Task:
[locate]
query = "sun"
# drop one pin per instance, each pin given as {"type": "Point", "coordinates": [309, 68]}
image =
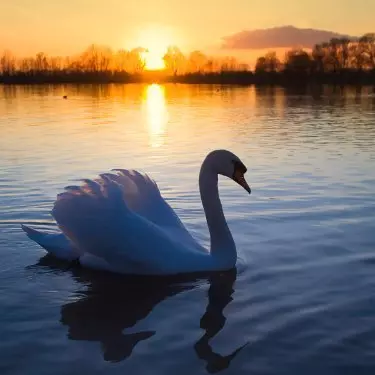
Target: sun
{"type": "Point", "coordinates": [153, 59]}
{"type": "Point", "coordinates": [155, 40]}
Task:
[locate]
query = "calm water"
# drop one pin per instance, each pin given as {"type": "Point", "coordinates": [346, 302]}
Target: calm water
{"type": "Point", "coordinates": [304, 301]}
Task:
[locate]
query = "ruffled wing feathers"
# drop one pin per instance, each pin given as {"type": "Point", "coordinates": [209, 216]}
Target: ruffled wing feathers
{"type": "Point", "coordinates": [120, 217]}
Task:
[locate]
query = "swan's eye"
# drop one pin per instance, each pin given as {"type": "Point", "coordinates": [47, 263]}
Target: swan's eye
{"type": "Point", "coordinates": [239, 167]}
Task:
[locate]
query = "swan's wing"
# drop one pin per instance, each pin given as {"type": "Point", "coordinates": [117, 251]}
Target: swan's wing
{"type": "Point", "coordinates": [143, 197]}
{"type": "Point", "coordinates": [97, 219]}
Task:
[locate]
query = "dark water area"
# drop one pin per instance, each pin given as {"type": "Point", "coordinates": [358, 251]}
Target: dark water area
{"type": "Point", "coordinates": [302, 299]}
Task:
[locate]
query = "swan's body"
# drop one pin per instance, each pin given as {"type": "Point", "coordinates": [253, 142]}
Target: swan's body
{"type": "Point", "coordinates": [121, 223]}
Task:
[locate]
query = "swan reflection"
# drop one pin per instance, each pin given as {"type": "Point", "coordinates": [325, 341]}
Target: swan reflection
{"type": "Point", "coordinates": [111, 304]}
{"type": "Point", "coordinates": [156, 113]}
{"type": "Point", "coordinates": [213, 321]}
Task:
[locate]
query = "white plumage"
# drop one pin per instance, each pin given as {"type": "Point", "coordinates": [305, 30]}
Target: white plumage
{"type": "Point", "coordinates": [119, 222]}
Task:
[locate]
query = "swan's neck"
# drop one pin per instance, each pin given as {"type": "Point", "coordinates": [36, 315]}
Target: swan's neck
{"type": "Point", "coordinates": [223, 248]}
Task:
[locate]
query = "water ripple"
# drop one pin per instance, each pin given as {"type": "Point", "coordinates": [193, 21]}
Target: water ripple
{"type": "Point", "coordinates": [301, 300]}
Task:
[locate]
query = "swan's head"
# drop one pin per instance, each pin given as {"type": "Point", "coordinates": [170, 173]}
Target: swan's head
{"type": "Point", "coordinates": [227, 164]}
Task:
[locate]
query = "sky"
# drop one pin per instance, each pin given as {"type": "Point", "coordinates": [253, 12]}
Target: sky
{"type": "Point", "coordinates": [60, 27]}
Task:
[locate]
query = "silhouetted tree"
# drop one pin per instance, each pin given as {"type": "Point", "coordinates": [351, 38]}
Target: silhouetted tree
{"type": "Point", "coordinates": [56, 63]}
{"type": "Point", "coordinates": [261, 65]}
{"type": "Point", "coordinates": [343, 52]}
{"type": "Point", "coordinates": [136, 62]}
{"type": "Point", "coordinates": [367, 42]}
{"type": "Point", "coordinates": [41, 62]}
{"type": "Point", "coordinates": [358, 57]}
{"type": "Point", "coordinates": [121, 60]}
{"type": "Point", "coordinates": [90, 59]}
{"type": "Point", "coordinates": [197, 62]}
{"type": "Point", "coordinates": [318, 55]}
{"type": "Point", "coordinates": [26, 65]}
{"type": "Point", "coordinates": [174, 60]}
{"type": "Point", "coordinates": [229, 64]}
{"type": "Point", "coordinates": [7, 63]}
{"type": "Point", "coordinates": [105, 59]}
{"type": "Point", "coordinates": [268, 63]}
{"type": "Point", "coordinates": [298, 60]}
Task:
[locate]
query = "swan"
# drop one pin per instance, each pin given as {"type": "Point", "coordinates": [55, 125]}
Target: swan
{"type": "Point", "coordinates": [120, 223]}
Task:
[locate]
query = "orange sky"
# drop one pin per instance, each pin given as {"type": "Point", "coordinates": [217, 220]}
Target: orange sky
{"type": "Point", "coordinates": [67, 27]}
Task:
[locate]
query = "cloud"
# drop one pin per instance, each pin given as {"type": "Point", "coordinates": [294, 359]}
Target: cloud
{"type": "Point", "coordinates": [279, 37]}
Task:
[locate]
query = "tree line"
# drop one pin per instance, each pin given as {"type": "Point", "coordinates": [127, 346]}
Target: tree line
{"type": "Point", "coordinates": [333, 56]}
{"type": "Point", "coordinates": [338, 60]}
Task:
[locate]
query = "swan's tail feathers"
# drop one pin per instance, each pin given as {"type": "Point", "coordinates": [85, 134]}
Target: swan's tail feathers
{"type": "Point", "coordinates": [55, 243]}
{"type": "Point", "coordinates": [91, 215]}
{"type": "Point", "coordinates": [31, 232]}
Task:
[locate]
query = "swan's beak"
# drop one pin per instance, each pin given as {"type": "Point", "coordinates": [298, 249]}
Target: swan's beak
{"type": "Point", "coordinates": [240, 179]}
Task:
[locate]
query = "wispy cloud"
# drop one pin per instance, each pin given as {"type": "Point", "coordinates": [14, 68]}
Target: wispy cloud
{"type": "Point", "coordinates": [279, 37]}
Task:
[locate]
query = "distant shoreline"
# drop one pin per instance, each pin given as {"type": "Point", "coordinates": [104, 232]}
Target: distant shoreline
{"type": "Point", "coordinates": [339, 61]}
{"type": "Point", "coordinates": [284, 78]}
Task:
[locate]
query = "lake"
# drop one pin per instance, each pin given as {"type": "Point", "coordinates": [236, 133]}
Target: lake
{"type": "Point", "coordinates": [302, 302]}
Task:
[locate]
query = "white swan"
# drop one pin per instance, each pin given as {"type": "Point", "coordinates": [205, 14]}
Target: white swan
{"type": "Point", "coordinates": [120, 223]}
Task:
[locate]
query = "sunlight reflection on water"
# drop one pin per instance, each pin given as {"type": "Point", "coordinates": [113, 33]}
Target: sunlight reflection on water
{"type": "Point", "coordinates": [156, 112]}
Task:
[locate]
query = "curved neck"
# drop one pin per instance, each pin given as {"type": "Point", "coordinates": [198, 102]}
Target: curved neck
{"type": "Point", "coordinates": [222, 245]}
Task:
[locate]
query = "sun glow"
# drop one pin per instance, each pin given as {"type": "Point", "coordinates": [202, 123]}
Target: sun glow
{"type": "Point", "coordinates": [155, 40]}
{"type": "Point", "coordinates": [153, 59]}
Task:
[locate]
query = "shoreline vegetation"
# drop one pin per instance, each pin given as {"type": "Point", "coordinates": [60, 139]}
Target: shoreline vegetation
{"type": "Point", "coordinates": [344, 77]}
{"type": "Point", "coordinates": [339, 61]}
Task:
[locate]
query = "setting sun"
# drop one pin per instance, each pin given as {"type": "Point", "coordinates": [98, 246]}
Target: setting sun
{"type": "Point", "coordinates": [154, 59]}
{"type": "Point", "coordinates": [155, 40]}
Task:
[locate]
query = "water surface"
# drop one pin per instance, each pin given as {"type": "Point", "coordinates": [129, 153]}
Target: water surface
{"type": "Point", "coordinates": [303, 302]}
